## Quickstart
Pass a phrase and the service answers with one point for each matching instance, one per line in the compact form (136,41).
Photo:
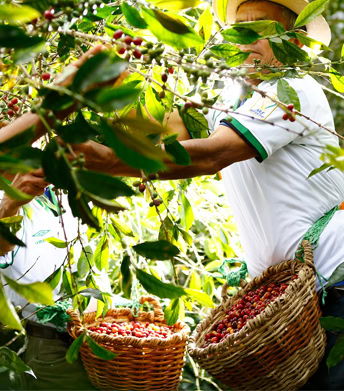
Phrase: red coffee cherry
(138,41)
(170,70)
(10,104)
(15,108)
(128,40)
(14,101)
(10,113)
(49,14)
(187,105)
(291,107)
(121,50)
(137,54)
(118,34)
(285,116)
(45,76)
(164,77)
(142,187)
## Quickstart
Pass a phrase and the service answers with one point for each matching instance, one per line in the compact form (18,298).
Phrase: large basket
(280,348)
(142,363)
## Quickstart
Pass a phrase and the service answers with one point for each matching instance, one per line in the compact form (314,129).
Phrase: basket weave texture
(142,363)
(280,348)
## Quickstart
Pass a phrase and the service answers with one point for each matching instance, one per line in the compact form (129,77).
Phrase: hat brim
(317,29)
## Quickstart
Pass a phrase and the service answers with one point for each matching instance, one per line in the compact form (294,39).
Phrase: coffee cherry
(14,101)
(128,40)
(187,105)
(142,187)
(49,14)
(162,94)
(205,110)
(137,54)
(291,107)
(10,113)
(10,104)
(136,183)
(45,76)
(164,77)
(15,108)
(151,204)
(138,41)
(285,116)
(170,70)
(118,34)
(121,49)
(152,177)
(157,202)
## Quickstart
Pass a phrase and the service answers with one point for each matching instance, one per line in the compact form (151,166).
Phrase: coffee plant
(158,58)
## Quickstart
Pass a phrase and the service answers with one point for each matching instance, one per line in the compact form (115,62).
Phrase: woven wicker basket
(142,363)
(280,348)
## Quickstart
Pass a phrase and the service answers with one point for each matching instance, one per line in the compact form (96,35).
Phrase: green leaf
(103,185)
(54,279)
(195,281)
(202,298)
(127,277)
(20,139)
(121,226)
(81,209)
(57,242)
(161,249)
(185,212)
(309,13)
(73,351)
(342,52)
(12,192)
(8,315)
(240,35)
(259,26)
(336,276)
(325,166)
(156,287)
(133,16)
(332,323)
(10,360)
(108,205)
(206,22)
(101,254)
(56,101)
(134,149)
(78,131)
(225,50)
(14,37)
(110,99)
(6,234)
(175,5)
(308,41)
(84,262)
(23,56)
(237,59)
(91,292)
(99,350)
(179,153)
(171,31)
(336,354)
(22,13)
(195,122)
(36,292)
(280,53)
(103,67)
(337,80)
(154,107)
(171,313)
(286,94)
(294,51)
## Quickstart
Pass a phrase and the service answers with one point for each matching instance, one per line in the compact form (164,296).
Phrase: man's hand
(32,184)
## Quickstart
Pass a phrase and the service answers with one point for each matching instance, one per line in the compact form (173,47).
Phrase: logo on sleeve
(41,233)
(263,107)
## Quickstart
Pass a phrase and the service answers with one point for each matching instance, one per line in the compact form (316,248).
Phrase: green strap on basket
(55,314)
(233,277)
(313,236)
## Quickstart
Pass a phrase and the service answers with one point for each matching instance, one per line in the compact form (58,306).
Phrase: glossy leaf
(174,5)
(203,298)
(179,153)
(336,354)
(225,50)
(8,315)
(332,323)
(103,185)
(161,249)
(195,122)
(337,80)
(294,51)
(156,287)
(54,279)
(91,292)
(336,276)
(22,13)
(101,254)
(280,53)
(108,205)
(127,277)
(6,234)
(240,35)
(171,313)
(10,360)
(23,56)
(310,12)
(310,42)
(110,99)
(171,31)
(123,227)
(21,139)
(36,292)
(56,101)
(195,281)
(259,26)
(73,351)
(78,131)
(81,209)
(57,242)
(153,105)
(14,37)
(206,22)
(185,212)
(13,192)
(325,166)
(99,350)
(286,94)
(133,16)
(101,68)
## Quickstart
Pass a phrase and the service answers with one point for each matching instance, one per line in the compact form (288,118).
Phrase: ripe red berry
(15,108)
(291,107)
(10,104)
(34,21)
(137,54)
(10,113)
(128,40)
(121,50)
(138,41)
(45,76)
(142,187)
(170,70)
(187,105)
(14,101)
(164,77)
(157,202)
(49,14)
(285,116)
(292,119)
(118,34)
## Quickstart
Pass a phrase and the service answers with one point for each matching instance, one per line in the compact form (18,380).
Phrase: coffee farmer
(265,162)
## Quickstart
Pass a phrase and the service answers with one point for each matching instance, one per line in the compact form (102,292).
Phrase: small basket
(281,347)
(142,363)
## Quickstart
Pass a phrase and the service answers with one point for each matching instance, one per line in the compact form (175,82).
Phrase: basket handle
(225,287)
(75,317)
(158,313)
(308,254)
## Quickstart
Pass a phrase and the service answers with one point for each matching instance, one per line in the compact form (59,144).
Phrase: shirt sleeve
(259,121)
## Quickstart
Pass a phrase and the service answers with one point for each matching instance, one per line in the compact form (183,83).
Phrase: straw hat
(225,11)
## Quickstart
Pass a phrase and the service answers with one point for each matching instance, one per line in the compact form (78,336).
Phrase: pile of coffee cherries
(133,329)
(246,308)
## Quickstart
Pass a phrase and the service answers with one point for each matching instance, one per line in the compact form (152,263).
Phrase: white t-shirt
(273,202)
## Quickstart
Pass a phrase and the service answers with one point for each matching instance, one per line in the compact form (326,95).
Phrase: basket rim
(284,299)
